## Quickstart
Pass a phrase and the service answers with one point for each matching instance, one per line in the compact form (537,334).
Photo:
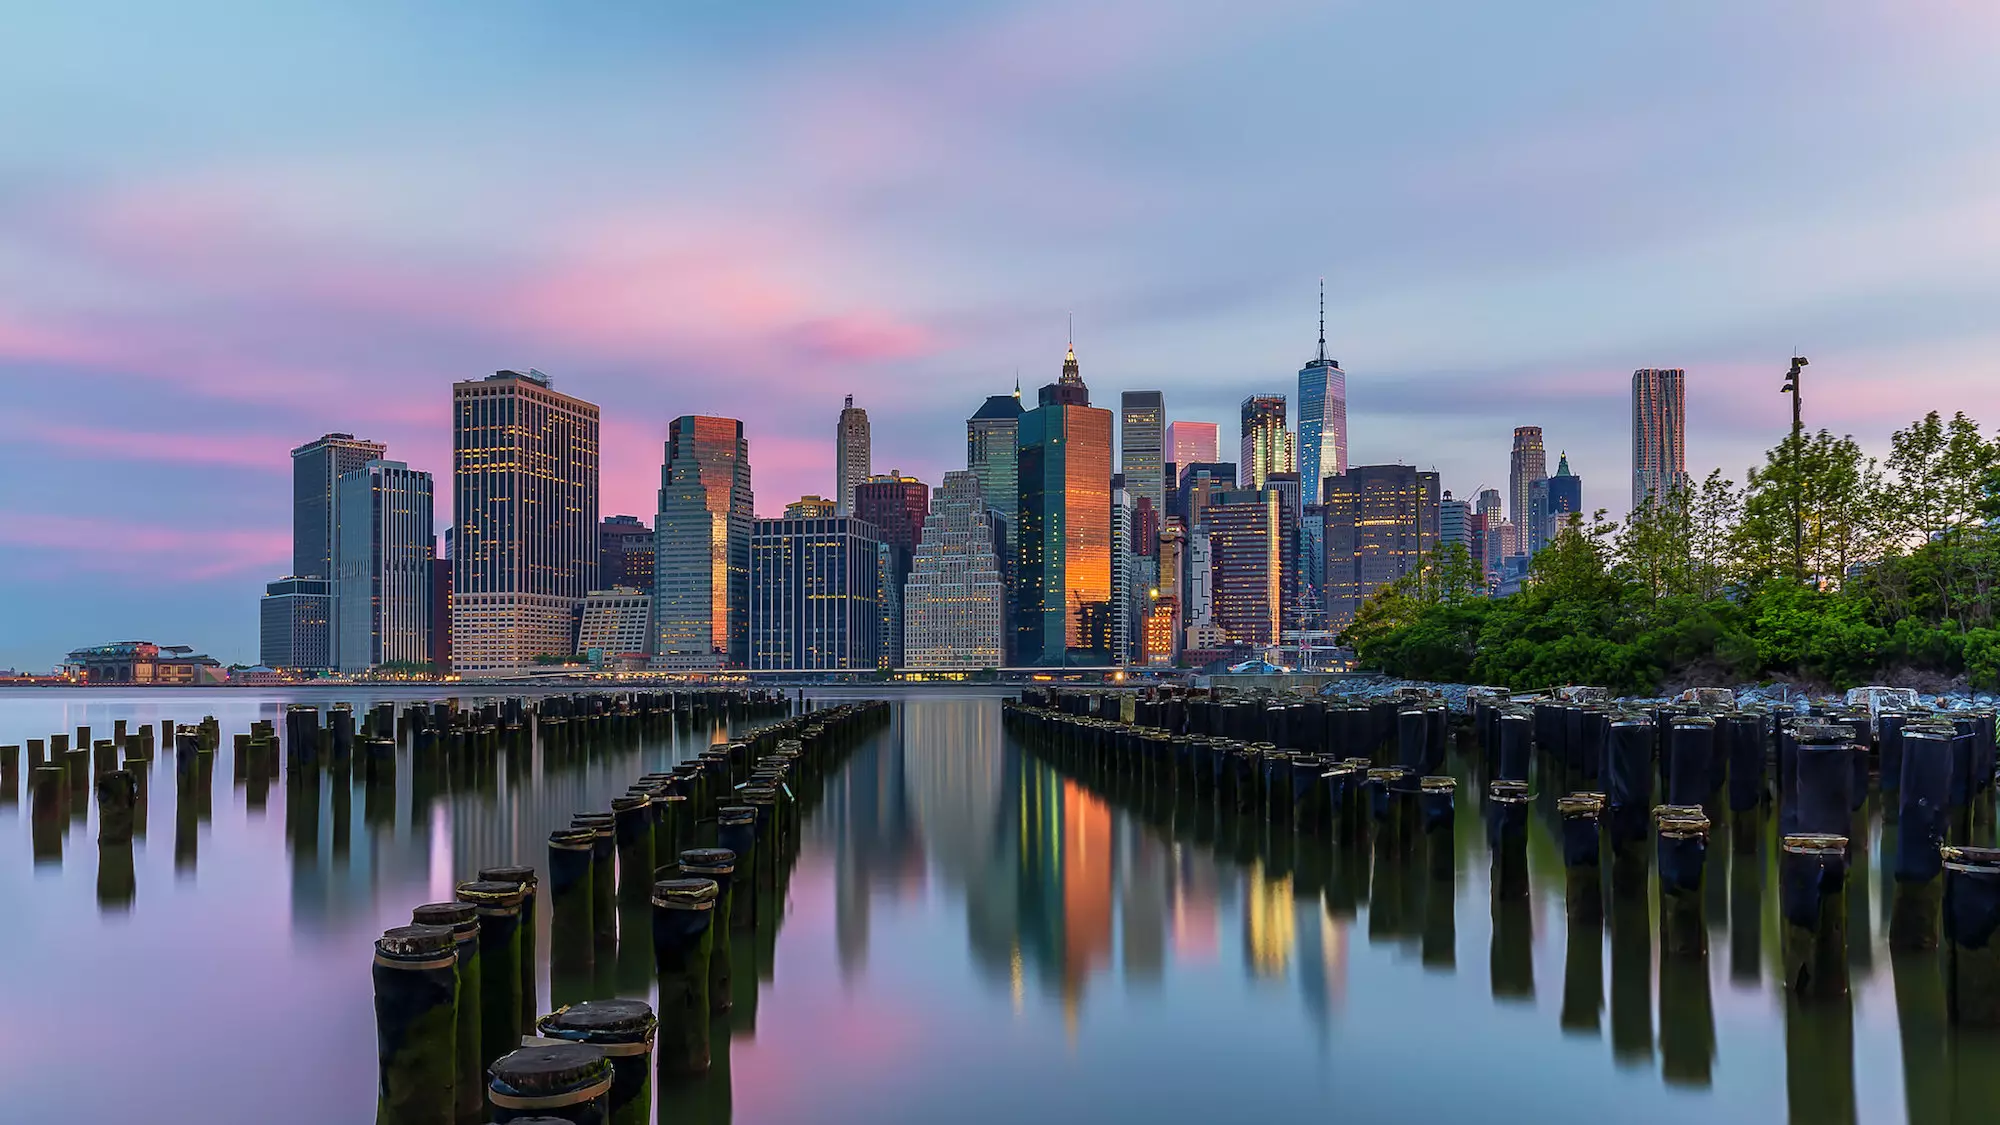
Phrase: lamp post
(1791,387)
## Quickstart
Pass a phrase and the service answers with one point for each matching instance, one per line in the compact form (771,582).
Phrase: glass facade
(1379,520)
(701,561)
(295,618)
(991,439)
(814,592)
(1142,434)
(316,467)
(1266,445)
(1065,532)
(383,567)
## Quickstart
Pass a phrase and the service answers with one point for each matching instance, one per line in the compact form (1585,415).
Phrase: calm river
(970,936)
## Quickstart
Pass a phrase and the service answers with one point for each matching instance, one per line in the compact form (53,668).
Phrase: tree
(1808,512)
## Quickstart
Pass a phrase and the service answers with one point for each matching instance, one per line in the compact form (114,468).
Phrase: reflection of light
(1333,947)
(1268,919)
(1014,975)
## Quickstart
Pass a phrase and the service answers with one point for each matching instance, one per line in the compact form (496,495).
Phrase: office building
(952,602)
(1247,532)
(524,502)
(1142,432)
(616,625)
(814,587)
(1065,524)
(1191,442)
(1163,620)
(992,440)
(811,508)
(1659,433)
(441,610)
(1121,644)
(1526,464)
(1502,541)
(383,564)
(1490,513)
(295,624)
(1454,522)
(1199,483)
(1375,517)
(1564,499)
(701,537)
(895,505)
(1266,445)
(1322,415)
(853,457)
(316,467)
(625,553)
(1200,608)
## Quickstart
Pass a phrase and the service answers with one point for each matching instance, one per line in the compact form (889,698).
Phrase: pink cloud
(167,553)
(133,445)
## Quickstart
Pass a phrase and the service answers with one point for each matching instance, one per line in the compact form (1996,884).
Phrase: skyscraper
(1247,533)
(1322,415)
(1199,484)
(952,616)
(1065,529)
(1454,522)
(383,565)
(1565,498)
(316,467)
(1527,464)
(625,553)
(896,506)
(1189,442)
(1659,433)
(853,459)
(1142,432)
(1266,445)
(524,498)
(295,619)
(992,438)
(1374,532)
(701,553)
(814,587)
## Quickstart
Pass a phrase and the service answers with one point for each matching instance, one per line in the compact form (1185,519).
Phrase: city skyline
(199,281)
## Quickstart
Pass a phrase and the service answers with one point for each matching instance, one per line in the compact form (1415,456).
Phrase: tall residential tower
(524,465)
(1659,433)
(1526,464)
(1266,445)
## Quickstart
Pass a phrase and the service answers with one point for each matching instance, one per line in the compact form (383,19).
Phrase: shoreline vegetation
(1826,568)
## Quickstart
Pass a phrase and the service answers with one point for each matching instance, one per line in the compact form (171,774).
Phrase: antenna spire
(1321,357)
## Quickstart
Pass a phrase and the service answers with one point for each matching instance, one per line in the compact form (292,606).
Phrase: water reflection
(1087,912)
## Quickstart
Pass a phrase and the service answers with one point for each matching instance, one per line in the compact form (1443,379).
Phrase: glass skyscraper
(524,505)
(1322,416)
(316,467)
(992,436)
(1065,532)
(1266,445)
(1142,433)
(383,565)
(701,546)
(814,587)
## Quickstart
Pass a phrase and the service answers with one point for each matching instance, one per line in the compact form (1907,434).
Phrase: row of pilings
(681,880)
(1639,792)
(453,744)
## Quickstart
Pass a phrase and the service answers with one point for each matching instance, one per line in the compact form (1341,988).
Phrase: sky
(227,228)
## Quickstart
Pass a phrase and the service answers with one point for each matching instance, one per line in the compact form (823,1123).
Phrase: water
(970,936)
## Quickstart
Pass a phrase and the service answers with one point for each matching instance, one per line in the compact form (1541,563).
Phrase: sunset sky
(226,228)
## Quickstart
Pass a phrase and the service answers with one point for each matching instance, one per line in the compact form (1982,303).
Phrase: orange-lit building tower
(1065,532)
